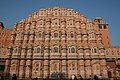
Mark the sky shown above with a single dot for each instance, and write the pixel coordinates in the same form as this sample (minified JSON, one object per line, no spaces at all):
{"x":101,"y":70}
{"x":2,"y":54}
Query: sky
{"x":12,"y":11}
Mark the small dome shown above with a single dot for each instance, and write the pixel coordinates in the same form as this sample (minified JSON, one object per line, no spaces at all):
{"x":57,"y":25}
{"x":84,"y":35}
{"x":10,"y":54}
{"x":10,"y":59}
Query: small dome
{"x":1,"y":25}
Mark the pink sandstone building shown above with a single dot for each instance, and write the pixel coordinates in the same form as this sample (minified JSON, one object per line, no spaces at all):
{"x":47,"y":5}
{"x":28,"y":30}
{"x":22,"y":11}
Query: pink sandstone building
{"x":59,"y":42}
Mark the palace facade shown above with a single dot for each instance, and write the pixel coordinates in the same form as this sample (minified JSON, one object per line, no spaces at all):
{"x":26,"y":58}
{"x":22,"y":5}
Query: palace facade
{"x":60,"y":42}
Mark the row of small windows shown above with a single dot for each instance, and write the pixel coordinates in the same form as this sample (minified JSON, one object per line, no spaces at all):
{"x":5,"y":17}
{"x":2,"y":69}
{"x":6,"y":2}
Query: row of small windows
{"x":57,"y":49}
{"x":71,"y":50}
{"x":112,"y":52}
{"x":70,"y":35}
{"x":63,"y":26}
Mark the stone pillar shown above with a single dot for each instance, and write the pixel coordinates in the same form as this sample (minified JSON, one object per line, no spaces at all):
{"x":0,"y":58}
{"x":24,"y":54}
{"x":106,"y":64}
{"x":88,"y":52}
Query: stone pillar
{"x":103,"y":70}
{"x":23,"y":53}
{"x":81,"y":68}
{"x":14,"y":68}
{"x":28,"y":69}
{"x":31,"y":37}
{"x":64,"y":69}
{"x":46,"y":51}
{"x":22,"y":69}
{"x":46,"y":69}
{"x":88,"y":68}
{"x":7,"y":67}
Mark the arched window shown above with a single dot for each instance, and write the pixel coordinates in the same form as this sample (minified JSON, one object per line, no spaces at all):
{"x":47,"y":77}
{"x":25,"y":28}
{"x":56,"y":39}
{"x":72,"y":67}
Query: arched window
{"x":38,"y":50}
{"x":81,"y":50}
{"x":41,"y":22}
{"x":40,"y":35}
{"x":56,"y":50}
{"x":79,"y":36}
{"x":87,"y":50}
{"x":56,"y":35}
{"x":72,"y":50}
{"x":71,"y":35}
{"x":101,"y":50}
{"x":96,"y":68}
{"x":94,"y":50}
{"x":90,"y":26}
{"x":92,"y":36}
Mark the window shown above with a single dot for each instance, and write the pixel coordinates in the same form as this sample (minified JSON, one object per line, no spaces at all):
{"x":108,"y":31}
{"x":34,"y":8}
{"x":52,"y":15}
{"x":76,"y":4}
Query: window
{"x":81,"y":50}
{"x":105,"y":27}
{"x":56,"y":49}
{"x":38,"y":50}
{"x":100,"y":27}
{"x":87,"y":51}
{"x":71,"y":35}
{"x":90,"y":27}
{"x":79,"y":36}
{"x":94,"y":50}
{"x":9,"y":50}
{"x":92,"y":36}
{"x":40,"y":35}
{"x":85,"y":37}
{"x":96,"y":68}
{"x":72,"y":50}
{"x":101,"y":50}
{"x":56,"y":35}
{"x":72,"y":66}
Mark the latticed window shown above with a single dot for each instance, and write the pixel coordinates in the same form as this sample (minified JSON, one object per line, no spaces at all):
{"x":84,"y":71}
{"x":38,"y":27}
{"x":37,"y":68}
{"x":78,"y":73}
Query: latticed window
{"x":71,"y":35}
{"x":94,"y":50}
{"x":56,"y":35}
{"x":72,"y":50}
{"x":101,"y":50}
{"x":17,"y":50}
{"x":64,"y":51}
{"x":9,"y":50}
{"x":87,"y":51}
{"x":96,"y":68}
{"x":40,"y":35}
{"x":90,"y":26}
{"x":79,"y":36}
{"x":92,"y":36}
{"x":38,"y":49}
{"x":85,"y":37}
{"x":56,"y":50}
{"x":81,"y":50}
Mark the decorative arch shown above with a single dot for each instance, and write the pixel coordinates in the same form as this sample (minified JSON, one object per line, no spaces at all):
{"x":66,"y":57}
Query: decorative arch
{"x":72,"y":49}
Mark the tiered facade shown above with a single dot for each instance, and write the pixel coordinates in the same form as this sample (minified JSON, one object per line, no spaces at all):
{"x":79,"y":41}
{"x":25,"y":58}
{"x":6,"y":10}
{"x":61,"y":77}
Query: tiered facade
{"x":60,"y":41}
